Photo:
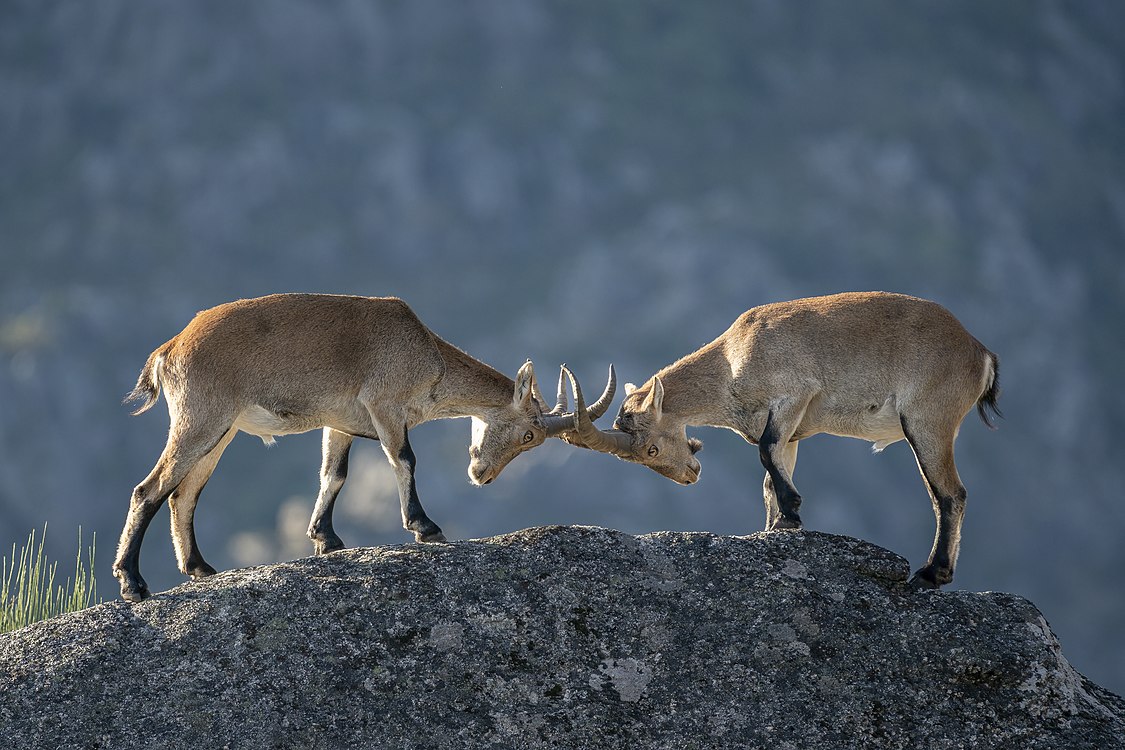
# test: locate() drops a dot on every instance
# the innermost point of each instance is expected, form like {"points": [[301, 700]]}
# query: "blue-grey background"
{"points": [[583, 182]]}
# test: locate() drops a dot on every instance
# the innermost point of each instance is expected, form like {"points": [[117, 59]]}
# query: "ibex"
{"points": [[289, 363], [875, 366]]}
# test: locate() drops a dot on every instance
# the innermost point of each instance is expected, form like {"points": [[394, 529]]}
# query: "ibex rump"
{"points": [[870, 365], [289, 363]]}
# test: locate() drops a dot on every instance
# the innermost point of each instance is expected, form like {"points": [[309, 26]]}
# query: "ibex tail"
{"points": [[147, 389], [987, 400]]}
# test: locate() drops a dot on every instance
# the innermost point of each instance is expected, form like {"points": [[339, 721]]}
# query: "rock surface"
{"points": [[562, 637]]}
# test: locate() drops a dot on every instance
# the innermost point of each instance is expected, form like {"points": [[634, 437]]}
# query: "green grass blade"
{"points": [[27, 584]]}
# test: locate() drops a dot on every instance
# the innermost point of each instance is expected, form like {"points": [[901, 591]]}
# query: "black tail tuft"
{"points": [[987, 402]]}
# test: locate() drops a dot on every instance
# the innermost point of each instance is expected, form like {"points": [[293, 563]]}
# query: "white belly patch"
{"points": [[879, 424], [263, 423]]}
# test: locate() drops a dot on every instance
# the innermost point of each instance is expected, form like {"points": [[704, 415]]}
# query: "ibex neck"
{"points": [[696, 387], [469, 387]]}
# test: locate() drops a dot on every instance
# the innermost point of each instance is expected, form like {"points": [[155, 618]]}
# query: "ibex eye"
{"points": [[653, 450], [528, 436]]}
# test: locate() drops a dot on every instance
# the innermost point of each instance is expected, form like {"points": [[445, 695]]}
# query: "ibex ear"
{"points": [[629, 388], [654, 401], [525, 379]]}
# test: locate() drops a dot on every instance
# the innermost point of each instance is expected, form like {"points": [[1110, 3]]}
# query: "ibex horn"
{"points": [[560, 401], [616, 442], [600, 406], [558, 420]]}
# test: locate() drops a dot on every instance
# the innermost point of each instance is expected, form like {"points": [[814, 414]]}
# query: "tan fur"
{"points": [[857, 364], [289, 363]]}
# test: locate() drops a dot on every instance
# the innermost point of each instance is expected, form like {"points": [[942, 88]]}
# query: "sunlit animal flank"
{"points": [[289, 363], [876, 366]]}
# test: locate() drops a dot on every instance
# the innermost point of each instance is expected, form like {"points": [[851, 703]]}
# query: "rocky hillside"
{"points": [[558, 637]]}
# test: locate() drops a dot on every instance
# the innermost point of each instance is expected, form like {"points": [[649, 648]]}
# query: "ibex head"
{"points": [[642, 432], [506, 431]]}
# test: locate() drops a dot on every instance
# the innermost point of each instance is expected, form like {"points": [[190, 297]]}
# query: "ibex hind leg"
{"points": [[933, 449], [335, 448], [182, 503], [184, 449]]}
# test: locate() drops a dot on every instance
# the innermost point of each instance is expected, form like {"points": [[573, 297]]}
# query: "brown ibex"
{"points": [[289, 363], [871, 365]]}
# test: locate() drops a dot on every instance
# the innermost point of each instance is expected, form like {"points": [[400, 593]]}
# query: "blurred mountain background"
{"points": [[584, 182]]}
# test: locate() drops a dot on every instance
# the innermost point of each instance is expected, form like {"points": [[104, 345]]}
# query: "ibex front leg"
{"points": [[333, 471], [773, 449], [769, 494], [397, 447]]}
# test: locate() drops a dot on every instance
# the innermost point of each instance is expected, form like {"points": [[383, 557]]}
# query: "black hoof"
{"points": [[200, 570], [426, 531], [328, 544], [133, 587], [135, 593], [785, 523], [922, 582]]}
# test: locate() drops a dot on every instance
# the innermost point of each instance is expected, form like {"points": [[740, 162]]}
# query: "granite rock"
{"points": [[560, 637]]}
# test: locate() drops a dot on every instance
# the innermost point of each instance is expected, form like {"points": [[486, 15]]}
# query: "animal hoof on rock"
{"points": [[134, 593], [921, 583], [201, 570], [324, 546], [133, 587]]}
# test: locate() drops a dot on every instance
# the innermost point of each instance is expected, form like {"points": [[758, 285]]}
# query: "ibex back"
{"points": [[289, 363], [876, 366]]}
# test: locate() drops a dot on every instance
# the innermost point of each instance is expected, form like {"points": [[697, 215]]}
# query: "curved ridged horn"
{"points": [[600, 406], [559, 420], [557, 424], [560, 401], [537, 394], [616, 442]]}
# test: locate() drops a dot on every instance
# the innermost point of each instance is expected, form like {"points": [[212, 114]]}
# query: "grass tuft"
{"points": [[28, 592]]}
